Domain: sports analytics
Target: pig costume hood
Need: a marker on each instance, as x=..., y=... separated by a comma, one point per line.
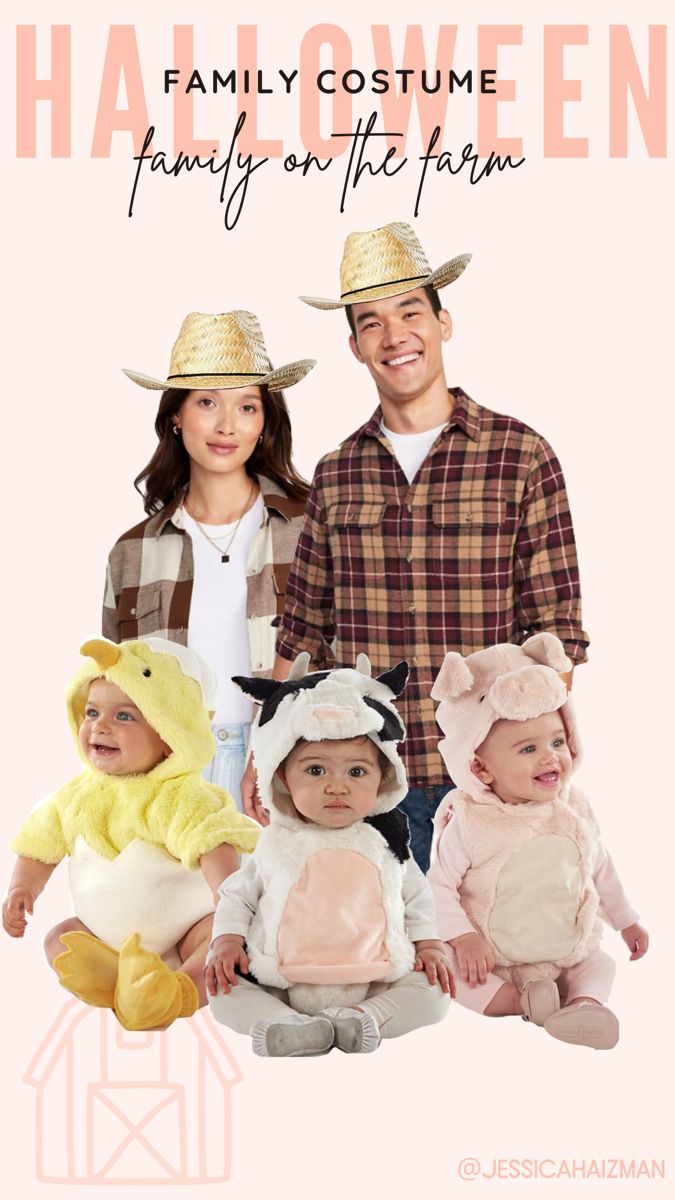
x=508, y=682
x=342, y=703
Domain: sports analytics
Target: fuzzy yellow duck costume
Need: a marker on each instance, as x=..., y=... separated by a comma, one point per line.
x=135, y=841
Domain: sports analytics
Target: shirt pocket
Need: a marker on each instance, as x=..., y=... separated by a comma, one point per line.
x=356, y=539
x=139, y=611
x=468, y=539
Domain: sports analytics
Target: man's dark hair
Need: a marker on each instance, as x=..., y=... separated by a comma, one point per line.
x=431, y=294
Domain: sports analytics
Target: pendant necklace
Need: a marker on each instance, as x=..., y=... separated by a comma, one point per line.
x=224, y=551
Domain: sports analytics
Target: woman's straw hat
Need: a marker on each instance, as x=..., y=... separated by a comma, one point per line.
x=386, y=262
x=223, y=350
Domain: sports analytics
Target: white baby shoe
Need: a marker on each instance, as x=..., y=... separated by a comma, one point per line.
x=355, y=1032
x=584, y=1024
x=294, y=1036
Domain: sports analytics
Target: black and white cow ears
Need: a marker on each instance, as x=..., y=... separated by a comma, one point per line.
x=262, y=689
x=396, y=678
x=256, y=689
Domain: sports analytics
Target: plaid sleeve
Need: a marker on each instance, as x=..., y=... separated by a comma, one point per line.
x=547, y=574
x=109, y=623
x=308, y=622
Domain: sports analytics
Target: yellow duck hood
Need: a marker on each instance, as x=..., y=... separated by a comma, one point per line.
x=171, y=685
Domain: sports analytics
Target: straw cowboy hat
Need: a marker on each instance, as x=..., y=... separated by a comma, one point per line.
x=223, y=350
x=386, y=262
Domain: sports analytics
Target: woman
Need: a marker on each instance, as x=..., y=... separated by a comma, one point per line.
x=208, y=566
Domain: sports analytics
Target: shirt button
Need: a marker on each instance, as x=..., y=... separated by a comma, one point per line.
x=133, y=612
x=468, y=518
x=409, y=558
x=412, y=609
x=223, y=735
x=258, y=667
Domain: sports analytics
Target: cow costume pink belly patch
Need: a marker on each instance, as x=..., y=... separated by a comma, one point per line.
x=333, y=928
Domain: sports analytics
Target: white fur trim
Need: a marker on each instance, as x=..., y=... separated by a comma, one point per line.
x=281, y=853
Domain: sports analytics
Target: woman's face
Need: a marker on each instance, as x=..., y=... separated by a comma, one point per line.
x=220, y=428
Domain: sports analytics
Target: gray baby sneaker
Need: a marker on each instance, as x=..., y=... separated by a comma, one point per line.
x=355, y=1032
x=294, y=1036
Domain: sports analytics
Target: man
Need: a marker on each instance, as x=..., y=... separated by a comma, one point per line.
x=438, y=525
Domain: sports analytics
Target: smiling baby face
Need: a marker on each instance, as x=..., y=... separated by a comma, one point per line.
x=115, y=736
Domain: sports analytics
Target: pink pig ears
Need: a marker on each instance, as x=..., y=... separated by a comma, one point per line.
x=547, y=649
x=453, y=678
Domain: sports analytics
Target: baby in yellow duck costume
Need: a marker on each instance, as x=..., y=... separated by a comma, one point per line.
x=137, y=823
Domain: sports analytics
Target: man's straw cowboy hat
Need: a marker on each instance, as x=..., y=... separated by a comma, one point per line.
x=386, y=262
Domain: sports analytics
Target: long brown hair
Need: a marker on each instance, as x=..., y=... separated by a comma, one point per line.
x=169, y=468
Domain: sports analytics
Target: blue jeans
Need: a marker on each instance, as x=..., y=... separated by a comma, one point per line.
x=227, y=765
x=419, y=806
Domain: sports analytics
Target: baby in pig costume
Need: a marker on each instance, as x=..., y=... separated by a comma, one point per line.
x=519, y=875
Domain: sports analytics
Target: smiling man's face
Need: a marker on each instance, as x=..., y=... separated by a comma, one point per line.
x=400, y=341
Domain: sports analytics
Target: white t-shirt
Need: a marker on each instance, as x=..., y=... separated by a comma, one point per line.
x=411, y=449
x=217, y=628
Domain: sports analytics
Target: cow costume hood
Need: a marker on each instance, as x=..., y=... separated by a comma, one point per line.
x=339, y=704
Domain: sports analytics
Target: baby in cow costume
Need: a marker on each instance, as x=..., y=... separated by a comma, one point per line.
x=327, y=935
x=519, y=875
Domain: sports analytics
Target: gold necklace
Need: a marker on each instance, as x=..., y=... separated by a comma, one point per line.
x=224, y=551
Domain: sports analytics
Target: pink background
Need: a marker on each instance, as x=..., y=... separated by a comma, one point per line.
x=563, y=318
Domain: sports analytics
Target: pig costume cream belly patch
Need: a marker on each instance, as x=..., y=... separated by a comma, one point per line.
x=537, y=899
x=529, y=889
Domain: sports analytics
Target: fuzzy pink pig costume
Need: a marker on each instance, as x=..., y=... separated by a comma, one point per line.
x=532, y=878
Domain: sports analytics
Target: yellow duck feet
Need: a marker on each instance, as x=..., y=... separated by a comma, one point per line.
x=149, y=995
x=88, y=968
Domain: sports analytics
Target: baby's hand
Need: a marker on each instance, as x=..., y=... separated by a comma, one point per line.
x=253, y=805
x=474, y=956
x=637, y=940
x=228, y=953
x=433, y=961
x=19, y=902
